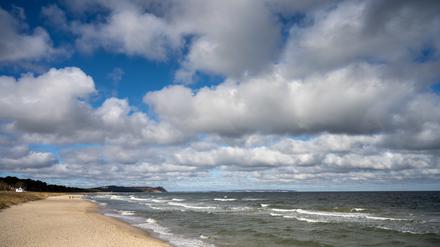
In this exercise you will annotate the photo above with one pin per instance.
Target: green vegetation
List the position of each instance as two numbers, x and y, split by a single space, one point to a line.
10 183
9 198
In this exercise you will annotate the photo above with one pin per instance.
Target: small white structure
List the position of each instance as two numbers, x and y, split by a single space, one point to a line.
19 189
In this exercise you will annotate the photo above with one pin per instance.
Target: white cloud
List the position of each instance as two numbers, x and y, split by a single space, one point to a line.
343 98
18 44
129 30
46 102
18 157
325 158
244 38
354 99
233 38
55 16
53 108
362 31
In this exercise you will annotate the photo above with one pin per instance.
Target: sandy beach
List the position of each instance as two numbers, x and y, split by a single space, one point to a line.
66 221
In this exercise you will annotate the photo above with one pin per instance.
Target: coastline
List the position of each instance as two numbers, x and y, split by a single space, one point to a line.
67 221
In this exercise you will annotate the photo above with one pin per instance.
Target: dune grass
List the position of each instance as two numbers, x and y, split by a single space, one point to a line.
9 198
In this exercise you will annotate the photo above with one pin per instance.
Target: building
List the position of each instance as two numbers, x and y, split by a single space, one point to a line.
19 189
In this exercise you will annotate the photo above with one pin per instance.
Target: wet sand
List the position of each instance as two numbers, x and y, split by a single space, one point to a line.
67 221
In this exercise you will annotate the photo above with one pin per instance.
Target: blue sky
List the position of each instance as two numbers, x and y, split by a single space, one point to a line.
221 95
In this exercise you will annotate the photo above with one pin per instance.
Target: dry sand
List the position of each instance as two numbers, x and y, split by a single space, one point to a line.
61 221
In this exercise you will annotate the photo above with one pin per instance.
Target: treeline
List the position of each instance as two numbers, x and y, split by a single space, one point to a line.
10 183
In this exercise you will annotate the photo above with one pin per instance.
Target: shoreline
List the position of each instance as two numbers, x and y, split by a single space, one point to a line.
68 220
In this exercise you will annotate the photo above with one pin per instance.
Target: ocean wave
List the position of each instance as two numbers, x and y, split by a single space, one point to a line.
225 199
241 208
357 209
175 240
276 215
190 206
151 221
283 210
382 218
115 197
345 215
330 214
396 230
318 215
253 199
126 213
177 200
304 219
151 224
159 201
264 205
296 217
153 207
138 199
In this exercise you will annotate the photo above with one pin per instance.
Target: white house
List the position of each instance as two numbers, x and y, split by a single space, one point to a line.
19 189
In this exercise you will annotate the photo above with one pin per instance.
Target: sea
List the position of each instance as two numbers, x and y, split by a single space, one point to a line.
279 219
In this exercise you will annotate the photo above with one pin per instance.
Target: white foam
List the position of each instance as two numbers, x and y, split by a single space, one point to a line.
241 208
177 200
283 210
331 214
384 228
126 213
203 236
190 206
115 197
175 240
151 224
275 215
344 215
151 221
159 201
225 199
390 229
304 219
357 209
264 205
381 218
138 199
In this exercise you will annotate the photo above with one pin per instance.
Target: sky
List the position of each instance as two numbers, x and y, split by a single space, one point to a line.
222 95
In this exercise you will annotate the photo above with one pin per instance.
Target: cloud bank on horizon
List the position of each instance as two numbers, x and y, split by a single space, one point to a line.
308 94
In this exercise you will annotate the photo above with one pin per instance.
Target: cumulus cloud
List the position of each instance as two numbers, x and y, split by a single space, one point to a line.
357 31
15 156
314 92
232 38
20 44
355 99
327 158
55 16
53 107
242 38
129 30
46 102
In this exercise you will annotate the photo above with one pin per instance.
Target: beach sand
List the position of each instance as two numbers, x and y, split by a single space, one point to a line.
66 221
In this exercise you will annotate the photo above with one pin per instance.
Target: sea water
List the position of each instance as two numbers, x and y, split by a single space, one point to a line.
281 218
